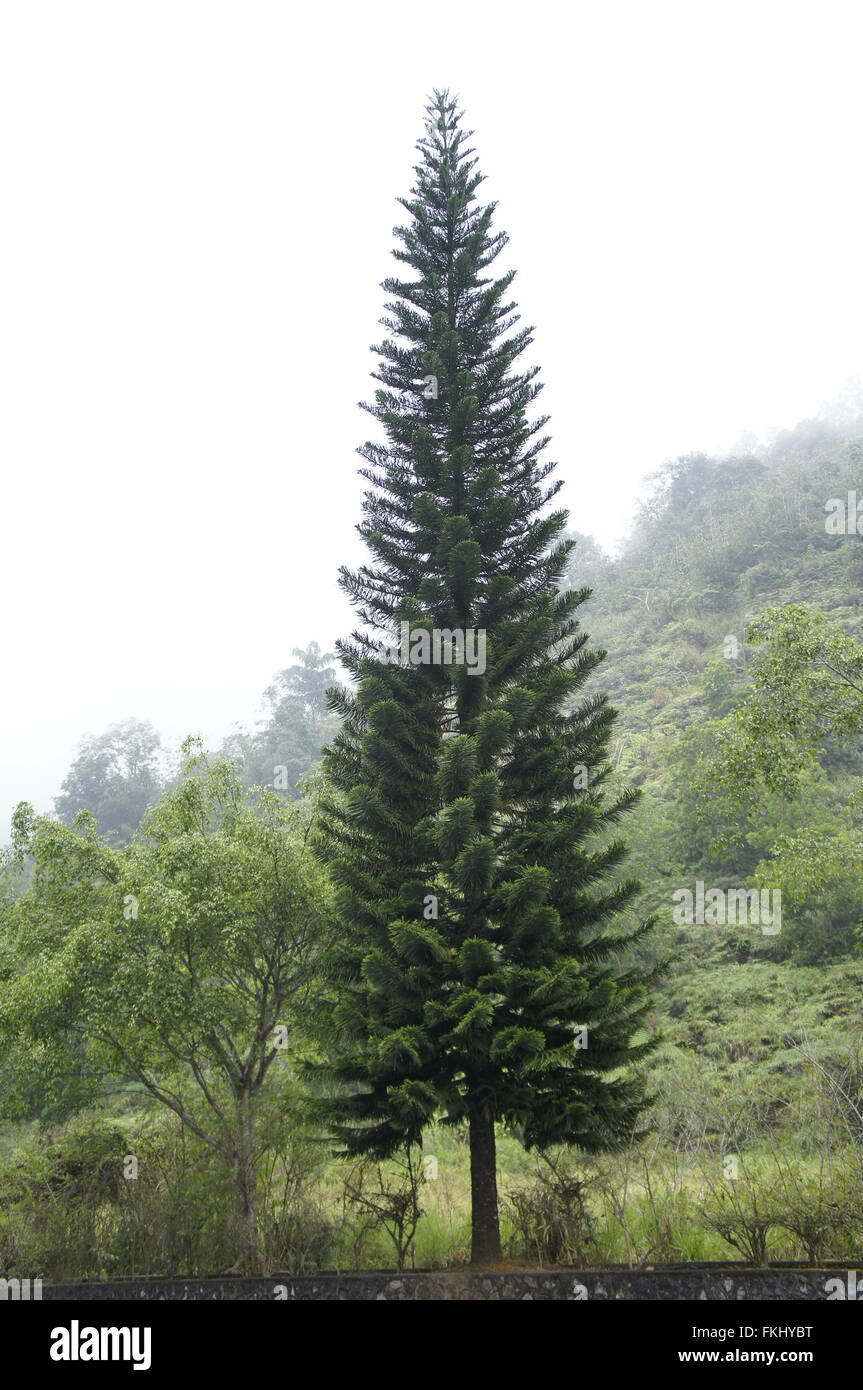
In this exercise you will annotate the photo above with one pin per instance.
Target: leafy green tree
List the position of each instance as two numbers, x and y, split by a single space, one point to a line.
803 707
807 686
478 949
305 683
588 565
286 745
179 961
820 872
115 777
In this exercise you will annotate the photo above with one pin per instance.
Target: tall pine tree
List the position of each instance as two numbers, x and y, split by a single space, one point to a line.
479 967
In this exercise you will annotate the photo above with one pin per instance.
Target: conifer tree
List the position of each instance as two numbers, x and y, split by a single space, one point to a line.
479 969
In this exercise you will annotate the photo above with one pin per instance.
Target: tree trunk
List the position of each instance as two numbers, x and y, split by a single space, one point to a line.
485 1223
249 1255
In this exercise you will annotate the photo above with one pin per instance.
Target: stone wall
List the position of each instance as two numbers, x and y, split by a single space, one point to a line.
675 1283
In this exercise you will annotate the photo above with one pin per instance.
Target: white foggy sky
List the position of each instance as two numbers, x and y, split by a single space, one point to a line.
198 204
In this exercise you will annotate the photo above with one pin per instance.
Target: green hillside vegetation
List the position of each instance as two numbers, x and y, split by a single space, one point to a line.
753 1148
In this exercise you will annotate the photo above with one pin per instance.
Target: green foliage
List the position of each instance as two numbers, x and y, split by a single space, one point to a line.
179 962
732 623
551 1221
806 685
388 1199
142 1196
286 746
452 786
115 777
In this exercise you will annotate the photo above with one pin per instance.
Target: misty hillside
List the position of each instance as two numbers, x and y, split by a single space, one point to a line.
719 542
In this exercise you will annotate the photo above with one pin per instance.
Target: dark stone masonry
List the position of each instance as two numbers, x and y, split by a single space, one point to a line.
728 1283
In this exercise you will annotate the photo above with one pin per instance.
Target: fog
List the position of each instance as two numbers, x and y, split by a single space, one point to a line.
198 209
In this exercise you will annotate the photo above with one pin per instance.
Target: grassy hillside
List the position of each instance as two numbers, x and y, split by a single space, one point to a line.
719 541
